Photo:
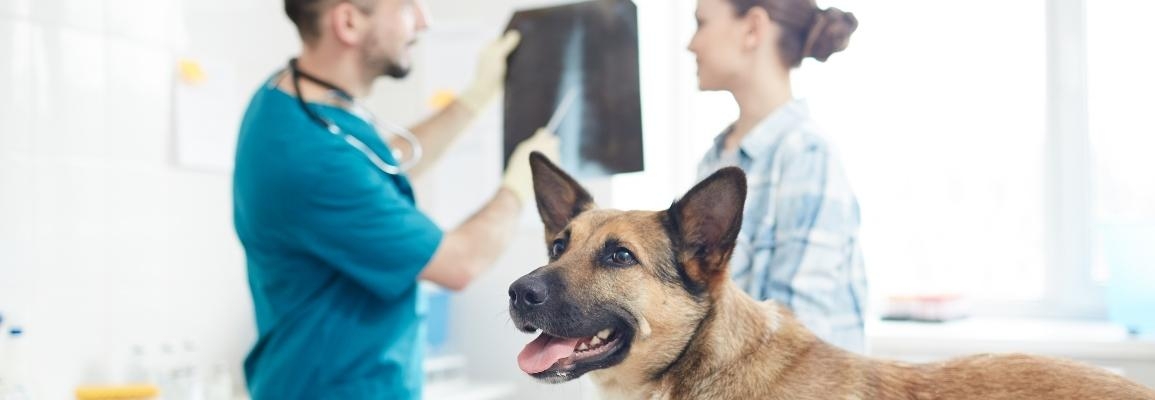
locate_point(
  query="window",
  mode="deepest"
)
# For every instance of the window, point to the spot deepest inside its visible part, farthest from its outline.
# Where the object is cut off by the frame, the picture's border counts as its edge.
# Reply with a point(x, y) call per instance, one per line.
point(939, 114)
point(954, 121)
point(1122, 134)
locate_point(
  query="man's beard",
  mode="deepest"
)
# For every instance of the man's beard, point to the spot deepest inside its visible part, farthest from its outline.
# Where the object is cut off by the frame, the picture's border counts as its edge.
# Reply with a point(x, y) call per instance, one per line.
point(393, 70)
point(376, 60)
point(384, 66)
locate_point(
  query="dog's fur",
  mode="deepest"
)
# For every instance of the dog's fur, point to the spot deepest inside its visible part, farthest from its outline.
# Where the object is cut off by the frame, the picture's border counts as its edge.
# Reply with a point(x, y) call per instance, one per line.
point(687, 332)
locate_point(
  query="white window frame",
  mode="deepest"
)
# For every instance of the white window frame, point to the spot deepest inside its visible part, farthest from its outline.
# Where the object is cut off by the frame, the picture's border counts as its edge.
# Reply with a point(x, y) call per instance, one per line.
point(673, 147)
point(1070, 290)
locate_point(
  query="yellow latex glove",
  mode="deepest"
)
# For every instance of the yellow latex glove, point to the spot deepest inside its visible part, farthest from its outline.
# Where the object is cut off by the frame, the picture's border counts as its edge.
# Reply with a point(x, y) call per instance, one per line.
point(518, 178)
point(489, 78)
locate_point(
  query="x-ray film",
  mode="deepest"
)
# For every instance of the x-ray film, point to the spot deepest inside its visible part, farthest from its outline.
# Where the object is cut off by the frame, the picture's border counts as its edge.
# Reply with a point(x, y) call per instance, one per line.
point(576, 71)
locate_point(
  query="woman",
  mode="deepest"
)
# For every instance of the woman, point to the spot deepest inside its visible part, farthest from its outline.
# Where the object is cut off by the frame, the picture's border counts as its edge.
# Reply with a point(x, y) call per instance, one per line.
point(799, 238)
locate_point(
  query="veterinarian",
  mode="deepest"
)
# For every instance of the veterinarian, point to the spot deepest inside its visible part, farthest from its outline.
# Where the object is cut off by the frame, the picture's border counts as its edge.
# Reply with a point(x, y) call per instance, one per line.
point(798, 243)
point(325, 211)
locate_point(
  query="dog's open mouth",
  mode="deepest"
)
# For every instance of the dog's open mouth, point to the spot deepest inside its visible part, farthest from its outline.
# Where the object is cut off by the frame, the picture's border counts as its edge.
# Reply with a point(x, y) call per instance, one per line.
point(549, 353)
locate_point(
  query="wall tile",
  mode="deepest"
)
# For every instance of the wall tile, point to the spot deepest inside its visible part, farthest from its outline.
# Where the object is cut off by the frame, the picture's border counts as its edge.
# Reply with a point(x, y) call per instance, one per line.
point(16, 127)
point(15, 9)
point(139, 98)
point(85, 15)
point(147, 21)
point(70, 92)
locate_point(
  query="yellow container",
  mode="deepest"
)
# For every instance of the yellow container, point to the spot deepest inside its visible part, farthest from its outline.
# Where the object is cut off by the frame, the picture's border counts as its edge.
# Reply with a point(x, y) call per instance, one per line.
point(124, 392)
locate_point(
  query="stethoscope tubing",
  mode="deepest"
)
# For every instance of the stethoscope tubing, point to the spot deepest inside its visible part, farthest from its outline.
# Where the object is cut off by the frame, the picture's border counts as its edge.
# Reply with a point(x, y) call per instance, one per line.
point(296, 74)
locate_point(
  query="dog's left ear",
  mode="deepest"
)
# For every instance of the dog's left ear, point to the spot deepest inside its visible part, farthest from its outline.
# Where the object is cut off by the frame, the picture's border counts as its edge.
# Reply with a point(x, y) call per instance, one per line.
point(559, 197)
point(706, 222)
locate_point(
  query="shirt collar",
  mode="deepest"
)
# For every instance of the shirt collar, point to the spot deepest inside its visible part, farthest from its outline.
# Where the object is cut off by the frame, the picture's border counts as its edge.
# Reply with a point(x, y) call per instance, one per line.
point(768, 131)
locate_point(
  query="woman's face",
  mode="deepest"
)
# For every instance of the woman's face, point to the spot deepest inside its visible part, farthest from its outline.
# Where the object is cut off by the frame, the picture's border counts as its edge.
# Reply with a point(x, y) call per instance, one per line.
point(718, 45)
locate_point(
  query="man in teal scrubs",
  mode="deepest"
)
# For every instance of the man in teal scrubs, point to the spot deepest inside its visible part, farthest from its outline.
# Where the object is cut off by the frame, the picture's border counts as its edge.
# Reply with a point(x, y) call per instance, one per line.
point(333, 240)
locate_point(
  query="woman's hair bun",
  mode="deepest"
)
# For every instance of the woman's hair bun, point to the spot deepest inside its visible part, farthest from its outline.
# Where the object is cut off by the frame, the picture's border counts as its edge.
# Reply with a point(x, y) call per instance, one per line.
point(829, 33)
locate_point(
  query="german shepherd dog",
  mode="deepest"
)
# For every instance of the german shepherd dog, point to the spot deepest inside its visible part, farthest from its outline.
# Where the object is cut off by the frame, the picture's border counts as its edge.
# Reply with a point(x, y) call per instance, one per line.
point(643, 302)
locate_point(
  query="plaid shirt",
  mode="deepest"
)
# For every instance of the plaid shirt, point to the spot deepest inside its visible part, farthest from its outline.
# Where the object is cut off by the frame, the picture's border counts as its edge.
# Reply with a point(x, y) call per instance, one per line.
point(799, 239)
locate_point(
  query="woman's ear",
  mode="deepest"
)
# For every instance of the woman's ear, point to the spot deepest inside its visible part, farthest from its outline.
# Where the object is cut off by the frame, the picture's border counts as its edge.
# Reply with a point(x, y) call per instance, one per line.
point(757, 27)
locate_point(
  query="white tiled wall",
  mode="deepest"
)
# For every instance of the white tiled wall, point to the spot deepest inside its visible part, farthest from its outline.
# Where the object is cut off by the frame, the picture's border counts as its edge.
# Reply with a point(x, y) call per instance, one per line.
point(104, 241)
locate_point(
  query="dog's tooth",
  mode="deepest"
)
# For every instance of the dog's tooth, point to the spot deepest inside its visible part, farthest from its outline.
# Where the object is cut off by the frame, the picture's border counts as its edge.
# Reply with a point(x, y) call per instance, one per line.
point(604, 334)
point(583, 347)
point(595, 341)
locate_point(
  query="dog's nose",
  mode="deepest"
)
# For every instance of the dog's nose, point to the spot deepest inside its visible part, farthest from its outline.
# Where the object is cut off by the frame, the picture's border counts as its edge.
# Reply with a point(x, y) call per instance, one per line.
point(529, 292)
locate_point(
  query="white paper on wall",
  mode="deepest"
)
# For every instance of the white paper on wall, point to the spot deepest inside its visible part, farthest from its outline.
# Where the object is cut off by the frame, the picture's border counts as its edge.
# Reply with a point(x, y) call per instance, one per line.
point(466, 176)
point(208, 107)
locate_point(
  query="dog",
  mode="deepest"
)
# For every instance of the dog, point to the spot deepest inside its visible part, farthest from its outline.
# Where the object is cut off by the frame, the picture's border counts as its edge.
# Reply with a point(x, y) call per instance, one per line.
point(642, 301)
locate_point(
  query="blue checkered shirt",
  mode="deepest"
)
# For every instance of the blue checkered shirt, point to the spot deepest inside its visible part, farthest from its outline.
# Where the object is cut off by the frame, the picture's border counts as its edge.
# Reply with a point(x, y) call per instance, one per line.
point(799, 239)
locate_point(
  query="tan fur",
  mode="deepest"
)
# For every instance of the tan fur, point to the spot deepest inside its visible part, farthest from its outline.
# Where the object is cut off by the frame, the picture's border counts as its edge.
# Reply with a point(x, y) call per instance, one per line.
point(719, 343)
point(743, 356)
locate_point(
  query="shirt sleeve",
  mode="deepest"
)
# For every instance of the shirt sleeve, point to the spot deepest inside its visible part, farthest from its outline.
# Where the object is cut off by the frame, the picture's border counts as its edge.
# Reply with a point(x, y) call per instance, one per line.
point(813, 226)
point(357, 221)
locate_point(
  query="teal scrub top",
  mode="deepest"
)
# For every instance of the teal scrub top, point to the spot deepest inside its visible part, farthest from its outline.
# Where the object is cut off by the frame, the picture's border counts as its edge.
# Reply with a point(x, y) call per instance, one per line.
point(334, 247)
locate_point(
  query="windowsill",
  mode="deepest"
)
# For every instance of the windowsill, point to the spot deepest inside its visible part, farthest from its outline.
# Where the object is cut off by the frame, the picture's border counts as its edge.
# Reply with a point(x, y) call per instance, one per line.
point(469, 391)
point(445, 379)
point(1084, 340)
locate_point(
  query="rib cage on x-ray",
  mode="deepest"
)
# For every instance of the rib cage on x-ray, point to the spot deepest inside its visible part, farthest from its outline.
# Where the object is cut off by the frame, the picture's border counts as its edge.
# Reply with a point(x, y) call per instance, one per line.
point(591, 48)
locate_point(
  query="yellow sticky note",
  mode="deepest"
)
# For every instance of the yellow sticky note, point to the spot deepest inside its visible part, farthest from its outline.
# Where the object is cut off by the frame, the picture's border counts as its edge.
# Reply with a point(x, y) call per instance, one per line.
point(441, 99)
point(190, 71)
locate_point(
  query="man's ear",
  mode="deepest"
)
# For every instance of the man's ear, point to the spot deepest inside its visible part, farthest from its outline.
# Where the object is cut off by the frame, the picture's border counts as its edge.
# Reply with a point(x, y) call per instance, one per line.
point(346, 22)
point(559, 197)
point(706, 222)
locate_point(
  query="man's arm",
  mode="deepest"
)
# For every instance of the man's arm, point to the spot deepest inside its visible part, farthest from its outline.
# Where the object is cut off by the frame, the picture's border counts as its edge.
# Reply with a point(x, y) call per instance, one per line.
point(435, 134)
point(440, 130)
point(471, 249)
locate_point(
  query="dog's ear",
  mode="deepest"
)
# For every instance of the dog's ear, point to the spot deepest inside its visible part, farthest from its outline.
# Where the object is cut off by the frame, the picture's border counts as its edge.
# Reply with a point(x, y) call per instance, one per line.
point(559, 197)
point(706, 222)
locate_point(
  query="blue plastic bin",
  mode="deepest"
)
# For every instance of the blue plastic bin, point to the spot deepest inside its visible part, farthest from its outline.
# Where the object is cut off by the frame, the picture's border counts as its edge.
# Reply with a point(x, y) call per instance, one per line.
point(1129, 251)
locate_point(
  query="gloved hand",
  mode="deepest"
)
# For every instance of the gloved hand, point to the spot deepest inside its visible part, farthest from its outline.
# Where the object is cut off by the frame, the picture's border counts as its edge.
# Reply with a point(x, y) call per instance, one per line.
point(490, 76)
point(518, 178)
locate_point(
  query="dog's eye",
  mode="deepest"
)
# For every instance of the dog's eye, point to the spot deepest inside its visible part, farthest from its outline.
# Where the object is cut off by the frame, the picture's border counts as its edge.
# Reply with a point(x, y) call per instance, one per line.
point(557, 248)
point(622, 256)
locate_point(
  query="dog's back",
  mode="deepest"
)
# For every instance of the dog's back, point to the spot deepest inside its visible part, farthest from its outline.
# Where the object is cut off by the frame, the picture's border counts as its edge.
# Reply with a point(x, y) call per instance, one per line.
point(789, 362)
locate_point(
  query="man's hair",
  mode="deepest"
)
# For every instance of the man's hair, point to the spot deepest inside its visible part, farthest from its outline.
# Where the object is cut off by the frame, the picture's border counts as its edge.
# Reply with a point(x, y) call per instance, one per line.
point(306, 14)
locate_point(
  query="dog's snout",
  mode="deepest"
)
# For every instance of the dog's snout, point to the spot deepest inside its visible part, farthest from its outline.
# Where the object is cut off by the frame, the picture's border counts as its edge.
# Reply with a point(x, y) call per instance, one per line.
point(528, 292)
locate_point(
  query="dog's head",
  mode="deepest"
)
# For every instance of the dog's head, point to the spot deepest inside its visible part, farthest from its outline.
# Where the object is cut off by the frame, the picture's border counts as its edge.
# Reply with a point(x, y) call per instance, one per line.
point(622, 288)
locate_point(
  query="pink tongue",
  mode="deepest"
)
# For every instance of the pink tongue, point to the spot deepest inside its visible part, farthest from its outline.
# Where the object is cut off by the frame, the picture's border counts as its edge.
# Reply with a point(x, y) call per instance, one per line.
point(543, 352)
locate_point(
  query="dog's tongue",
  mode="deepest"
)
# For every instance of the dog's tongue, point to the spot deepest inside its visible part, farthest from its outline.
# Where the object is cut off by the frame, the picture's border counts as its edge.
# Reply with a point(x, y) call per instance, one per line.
point(543, 352)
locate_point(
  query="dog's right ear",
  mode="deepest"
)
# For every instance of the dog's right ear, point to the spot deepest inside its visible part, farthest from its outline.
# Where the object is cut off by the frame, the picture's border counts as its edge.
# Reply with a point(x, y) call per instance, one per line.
point(559, 197)
point(706, 222)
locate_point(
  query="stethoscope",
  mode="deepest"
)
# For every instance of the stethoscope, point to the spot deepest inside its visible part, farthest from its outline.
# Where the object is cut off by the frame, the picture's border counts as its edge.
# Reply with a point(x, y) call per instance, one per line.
point(350, 104)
